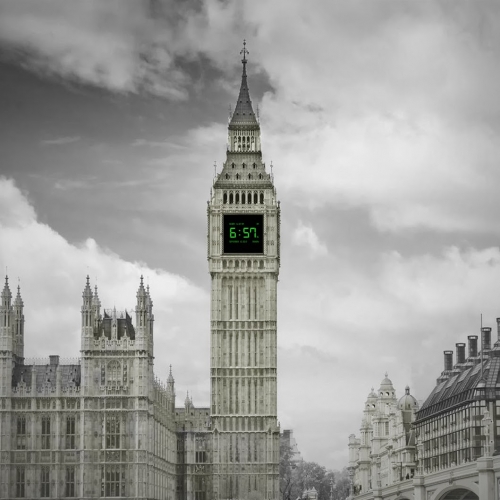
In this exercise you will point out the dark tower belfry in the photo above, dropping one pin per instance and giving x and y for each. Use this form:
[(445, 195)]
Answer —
[(243, 257)]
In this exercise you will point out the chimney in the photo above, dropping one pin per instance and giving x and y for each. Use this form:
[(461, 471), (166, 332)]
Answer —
[(486, 339), (54, 360), (448, 361), (498, 329), (472, 346), (460, 353)]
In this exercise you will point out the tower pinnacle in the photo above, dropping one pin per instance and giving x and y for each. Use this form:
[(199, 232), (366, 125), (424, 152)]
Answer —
[(243, 115), (244, 51)]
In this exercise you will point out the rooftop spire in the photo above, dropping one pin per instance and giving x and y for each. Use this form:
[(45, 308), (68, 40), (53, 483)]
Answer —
[(6, 290), (244, 51), (19, 301), (87, 292), (243, 112)]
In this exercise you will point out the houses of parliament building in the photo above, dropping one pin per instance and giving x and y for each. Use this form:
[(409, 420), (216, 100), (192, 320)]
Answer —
[(104, 426)]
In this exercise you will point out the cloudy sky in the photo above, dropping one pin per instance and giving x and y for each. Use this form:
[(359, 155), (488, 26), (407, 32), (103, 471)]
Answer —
[(381, 119)]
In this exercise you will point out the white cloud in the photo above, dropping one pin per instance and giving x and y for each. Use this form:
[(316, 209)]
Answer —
[(306, 237), (341, 328), (52, 274), (60, 141), (118, 45)]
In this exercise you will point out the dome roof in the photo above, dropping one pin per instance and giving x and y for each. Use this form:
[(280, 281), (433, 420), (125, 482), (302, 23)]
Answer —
[(386, 388), (407, 402), (371, 400)]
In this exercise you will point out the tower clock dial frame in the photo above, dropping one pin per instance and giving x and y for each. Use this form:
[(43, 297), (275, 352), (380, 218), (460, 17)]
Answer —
[(243, 233)]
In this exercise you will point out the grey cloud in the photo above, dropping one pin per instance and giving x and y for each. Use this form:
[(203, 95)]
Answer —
[(59, 141)]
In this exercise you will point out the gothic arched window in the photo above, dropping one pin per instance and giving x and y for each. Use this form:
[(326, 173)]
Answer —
[(114, 375)]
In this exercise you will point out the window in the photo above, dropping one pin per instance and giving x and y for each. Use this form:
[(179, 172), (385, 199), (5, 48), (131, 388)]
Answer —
[(45, 483), (113, 371), (112, 432), (21, 434), (70, 433), (20, 482), (70, 482), (199, 488), (45, 433), (201, 457), (112, 481)]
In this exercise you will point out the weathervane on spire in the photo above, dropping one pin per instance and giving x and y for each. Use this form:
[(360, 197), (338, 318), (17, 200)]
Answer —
[(244, 51)]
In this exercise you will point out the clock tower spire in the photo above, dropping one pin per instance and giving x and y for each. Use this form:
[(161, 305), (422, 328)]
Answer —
[(243, 259)]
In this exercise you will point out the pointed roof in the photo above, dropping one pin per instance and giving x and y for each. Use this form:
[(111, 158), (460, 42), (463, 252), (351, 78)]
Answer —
[(142, 291), (96, 297), (243, 112), (19, 301), (87, 292), (6, 290)]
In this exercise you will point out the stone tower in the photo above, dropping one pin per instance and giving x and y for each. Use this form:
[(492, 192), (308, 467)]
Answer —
[(243, 257), (11, 335)]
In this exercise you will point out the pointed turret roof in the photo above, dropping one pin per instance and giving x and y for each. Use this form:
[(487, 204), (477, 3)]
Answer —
[(6, 290), (142, 291), (170, 379), (243, 112), (96, 297), (18, 302), (87, 292)]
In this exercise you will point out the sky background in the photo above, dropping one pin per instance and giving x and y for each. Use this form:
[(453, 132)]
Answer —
[(381, 119)]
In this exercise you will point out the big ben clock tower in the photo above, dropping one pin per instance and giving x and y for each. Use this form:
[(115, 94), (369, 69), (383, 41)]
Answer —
[(243, 259)]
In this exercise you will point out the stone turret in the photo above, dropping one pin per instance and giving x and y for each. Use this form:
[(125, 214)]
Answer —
[(88, 319)]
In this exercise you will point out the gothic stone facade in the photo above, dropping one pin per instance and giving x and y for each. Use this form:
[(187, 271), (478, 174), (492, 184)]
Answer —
[(103, 426), (243, 256)]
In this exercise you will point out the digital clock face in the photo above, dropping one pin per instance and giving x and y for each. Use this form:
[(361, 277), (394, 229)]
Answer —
[(243, 233)]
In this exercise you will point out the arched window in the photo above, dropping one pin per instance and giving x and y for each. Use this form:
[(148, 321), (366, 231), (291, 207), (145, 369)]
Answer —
[(224, 198), (227, 176), (260, 176), (237, 176), (243, 198), (232, 165), (114, 373), (255, 198), (230, 198), (244, 165), (237, 198), (249, 176), (254, 165), (262, 197)]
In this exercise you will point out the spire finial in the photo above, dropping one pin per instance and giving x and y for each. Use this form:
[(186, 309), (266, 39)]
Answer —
[(386, 374), (244, 51)]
